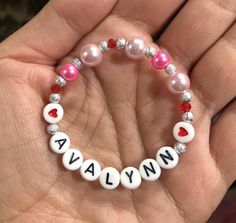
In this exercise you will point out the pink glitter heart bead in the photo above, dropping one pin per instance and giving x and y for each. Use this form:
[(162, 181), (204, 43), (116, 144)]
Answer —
[(160, 60), (69, 72)]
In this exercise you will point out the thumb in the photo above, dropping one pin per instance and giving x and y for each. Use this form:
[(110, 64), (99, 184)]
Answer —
[(55, 30)]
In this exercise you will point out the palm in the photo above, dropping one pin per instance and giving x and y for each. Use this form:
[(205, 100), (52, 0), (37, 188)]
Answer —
[(118, 113)]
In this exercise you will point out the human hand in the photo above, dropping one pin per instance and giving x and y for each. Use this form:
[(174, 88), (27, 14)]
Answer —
[(119, 113)]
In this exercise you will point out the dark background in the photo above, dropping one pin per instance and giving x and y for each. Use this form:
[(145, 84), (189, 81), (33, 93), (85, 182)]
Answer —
[(15, 13)]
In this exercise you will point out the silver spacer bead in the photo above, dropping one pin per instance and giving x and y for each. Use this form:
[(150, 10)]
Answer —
[(103, 46), (54, 98), (52, 129), (121, 43), (186, 96), (60, 81), (179, 147), (170, 69), (150, 51), (188, 117), (78, 63)]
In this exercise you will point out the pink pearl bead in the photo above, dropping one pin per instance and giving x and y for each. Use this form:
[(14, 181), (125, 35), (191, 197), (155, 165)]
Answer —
[(90, 55), (160, 60), (178, 83), (68, 72), (135, 49)]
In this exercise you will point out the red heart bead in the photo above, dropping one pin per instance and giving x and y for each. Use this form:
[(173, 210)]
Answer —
[(182, 132), (53, 113)]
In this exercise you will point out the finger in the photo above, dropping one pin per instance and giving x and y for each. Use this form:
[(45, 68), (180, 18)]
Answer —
[(222, 143), (198, 25), (55, 30), (151, 15), (213, 79)]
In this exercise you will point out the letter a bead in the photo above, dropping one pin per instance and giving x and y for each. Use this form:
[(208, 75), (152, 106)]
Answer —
[(59, 142)]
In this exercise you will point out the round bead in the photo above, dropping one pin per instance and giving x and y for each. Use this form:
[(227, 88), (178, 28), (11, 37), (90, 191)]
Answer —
[(72, 159), (54, 98), (59, 143), (187, 117), (160, 60), (178, 83), (103, 46), (170, 69), (52, 129), (90, 170), (185, 106), (183, 132), (179, 147), (78, 63), (135, 49), (120, 43), (53, 113), (167, 158), (130, 178), (109, 178), (150, 51), (186, 96), (149, 170), (60, 81), (90, 55), (55, 89), (111, 43), (69, 72)]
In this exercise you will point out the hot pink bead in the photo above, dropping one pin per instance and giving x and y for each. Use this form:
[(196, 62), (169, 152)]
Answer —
[(135, 49), (178, 83), (161, 60), (90, 55), (68, 72)]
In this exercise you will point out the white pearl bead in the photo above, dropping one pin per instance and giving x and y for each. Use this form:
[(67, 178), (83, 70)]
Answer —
[(53, 113), (130, 178), (135, 49), (109, 178), (90, 170), (72, 159), (167, 158), (59, 142), (183, 132), (149, 170)]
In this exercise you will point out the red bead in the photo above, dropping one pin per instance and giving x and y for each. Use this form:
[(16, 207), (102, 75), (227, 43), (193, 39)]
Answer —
[(55, 89), (111, 43), (185, 107)]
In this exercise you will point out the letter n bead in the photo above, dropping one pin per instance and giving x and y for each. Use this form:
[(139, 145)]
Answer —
[(167, 158)]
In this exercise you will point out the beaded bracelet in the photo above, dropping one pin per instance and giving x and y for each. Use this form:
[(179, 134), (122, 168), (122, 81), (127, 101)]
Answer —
[(167, 157)]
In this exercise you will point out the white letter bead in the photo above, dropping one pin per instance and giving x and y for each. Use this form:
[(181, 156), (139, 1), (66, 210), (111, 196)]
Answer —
[(167, 158), (53, 113), (72, 159), (90, 170), (130, 178), (183, 132), (109, 178), (59, 143), (149, 170)]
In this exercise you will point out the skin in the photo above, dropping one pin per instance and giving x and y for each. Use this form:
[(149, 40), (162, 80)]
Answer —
[(118, 113)]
